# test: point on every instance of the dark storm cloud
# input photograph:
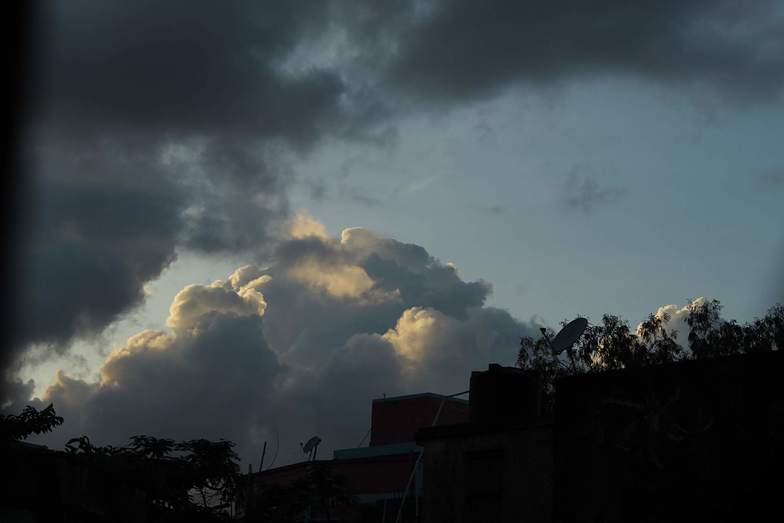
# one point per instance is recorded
(101, 225)
(240, 191)
(211, 81)
(462, 49)
(182, 68)
(155, 126)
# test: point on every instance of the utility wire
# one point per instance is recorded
(421, 453)
(362, 441)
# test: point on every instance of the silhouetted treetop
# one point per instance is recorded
(613, 345)
(29, 421)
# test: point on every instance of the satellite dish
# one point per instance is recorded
(312, 442)
(311, 447)
(567, 336)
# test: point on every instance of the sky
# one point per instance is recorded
(247, 222)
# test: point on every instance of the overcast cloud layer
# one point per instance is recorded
(158, 128)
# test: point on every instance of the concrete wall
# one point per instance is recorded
(396, 420)
(475, 475)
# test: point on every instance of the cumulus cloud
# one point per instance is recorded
(676, 320)
(266, 352)
(196, 301)
(208, 377)
(431, 344)
(101, 225)
(304, 225)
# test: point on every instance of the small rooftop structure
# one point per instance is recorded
(502, 396)
(396, 420)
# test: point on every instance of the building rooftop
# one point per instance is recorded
(420, 395)
(395, 420)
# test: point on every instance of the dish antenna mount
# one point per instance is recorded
(311, 447)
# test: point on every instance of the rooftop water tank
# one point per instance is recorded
(505, 396)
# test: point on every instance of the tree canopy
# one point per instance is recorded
(16, 427)
(612, 344)
(200, 475)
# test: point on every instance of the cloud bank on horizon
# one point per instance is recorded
(294, 349)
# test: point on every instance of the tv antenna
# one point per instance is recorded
(566, 337)
(311, 447)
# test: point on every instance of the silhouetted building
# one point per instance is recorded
(396, 419)
(692, 441)
(376, 476)
(497, 467)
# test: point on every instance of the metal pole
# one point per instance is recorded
(263, 452)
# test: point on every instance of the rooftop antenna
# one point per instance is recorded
(311, 447)
(263, 453)
(566, 337)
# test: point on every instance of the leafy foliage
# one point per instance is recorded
(83, 446)
(214, 471)
(150, 447)
(198, 477)
(613, 345)
(29, 421)
(709, 336)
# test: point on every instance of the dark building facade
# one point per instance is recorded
(378, 477)
(475, 473)
(396, 419)
(690, 441)
(499, 465)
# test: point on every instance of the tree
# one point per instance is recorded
(29, 421)
(196, 478)
(152, 448)
(613, 345)
(214, 471)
